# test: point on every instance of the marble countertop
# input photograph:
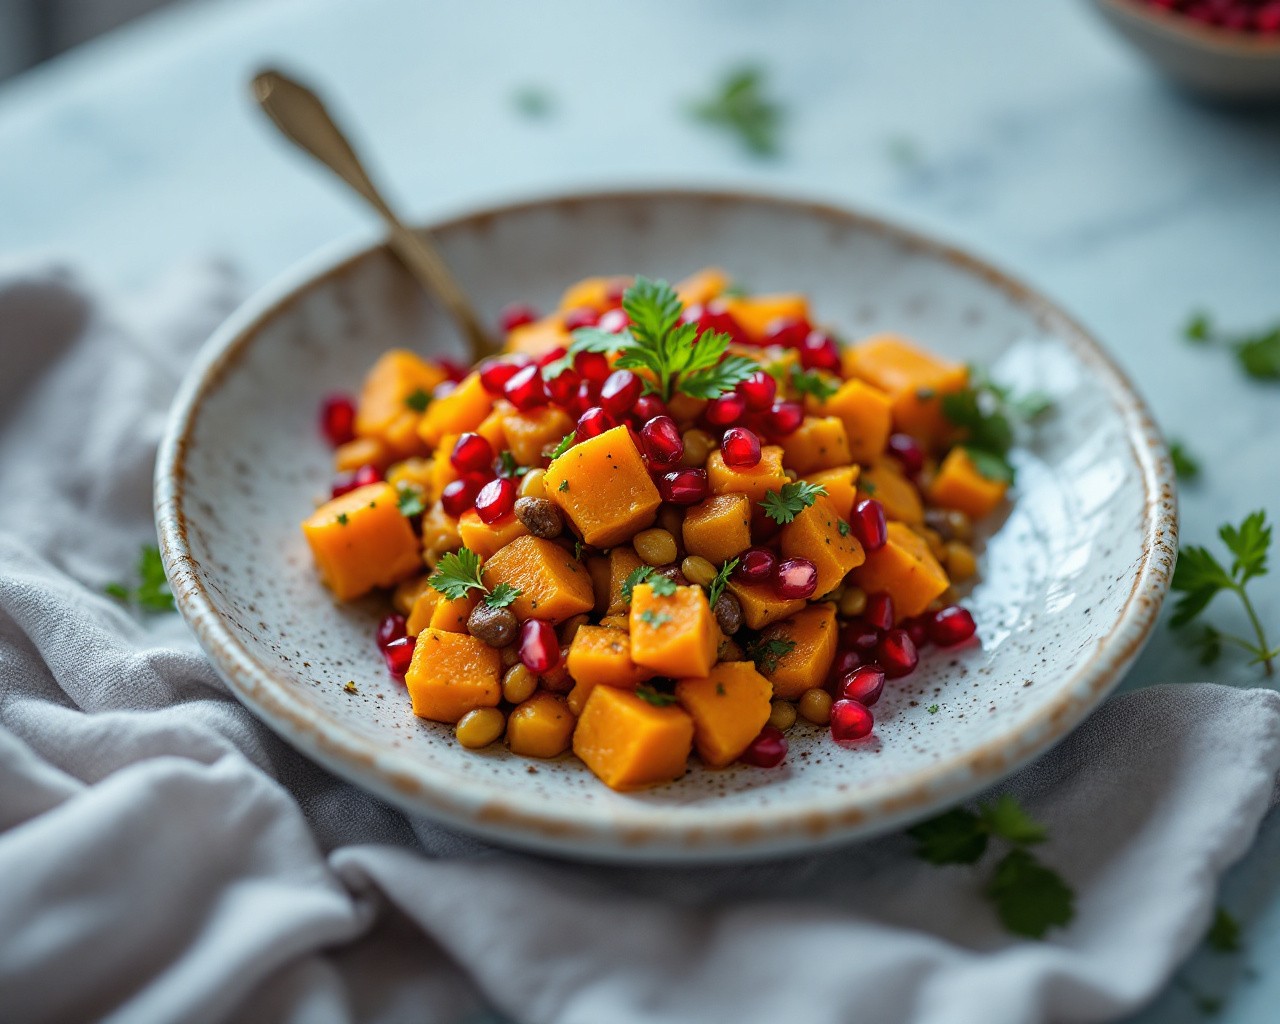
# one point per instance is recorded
(1025, 132)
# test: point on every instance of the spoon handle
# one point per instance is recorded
(302, 118)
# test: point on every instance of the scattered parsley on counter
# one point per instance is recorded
(533, 101)
(784, 505)
(1258, 353)
(152, 594)
(932, 709)
(459, 572)
(1224, 934)
(740, 106)
(1185, 465)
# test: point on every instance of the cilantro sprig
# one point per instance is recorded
(740, 106)
(459, 572)
(1029, 897)
(410, 500)
(767, 653)
(721, 580)
(987, 413)
(784, 505)
(1258, 353)
(814, 382)
(675, 354)
(152, 593)
(1199, 577)
(565, 444)
(662, 587)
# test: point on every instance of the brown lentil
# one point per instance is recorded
(495, 626)
(728, 614)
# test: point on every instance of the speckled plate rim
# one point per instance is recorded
(644, 831)
(1222, 41)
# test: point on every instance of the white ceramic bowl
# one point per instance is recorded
(1072, 575)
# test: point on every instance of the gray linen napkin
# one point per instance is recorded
(165, 858)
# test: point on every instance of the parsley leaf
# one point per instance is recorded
(409, 500)
(508, 467)
(661, 585)
(784, 505)
(152, 594)
(954, 837)
(1185, 465)
(655, 697)
(565, 444)
(1006, 818)
(418, 399)
(986, 413)
(767, 653)
(843, 527)
(564, 485)
(456, 573)
(654, 619)
(1258, 354)
(1029, 897)
(634, 578)
(533, 101)
(932, 709)
(740, 106)
(502, 595)
(343, 519)
(813, 382)
(721, 581)
(1224, 933)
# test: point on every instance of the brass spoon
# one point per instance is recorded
(303, 120)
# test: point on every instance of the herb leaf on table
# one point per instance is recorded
(152, 593)
(1185, 465)
(1257, 353)
(740, 105)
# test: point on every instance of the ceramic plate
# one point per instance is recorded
(1073, 573)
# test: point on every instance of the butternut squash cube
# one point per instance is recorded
(675, 635)
(915, 380)
(887, 484)
(826, 539)
(630, 744)
(443, 471)
(360, 541)
(623, 561)
(604, 488)
(422, 611)
(539, 337)
(719, 528)
(592, 293)
(814, 633)
(867, 414)
(387, 408)
(363, 451)
(729, 708)
(755, 482)
(451, 616)
(462, 409)
(960, 485)
(485, 539)
(840, 485)
(407, 593)
(820, 443)
(451, 674)
(756, 313)
(600, 656)
(553, 584)
(493, 427)
(541, 726)
(529, 432)
(702, 287)
(905, 569)
(413, 472)
(761, 604)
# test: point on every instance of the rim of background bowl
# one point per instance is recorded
(1223, 41)
(641, 831)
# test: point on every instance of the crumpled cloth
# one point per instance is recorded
(164, 857)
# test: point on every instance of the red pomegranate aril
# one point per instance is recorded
(614, 293)
(615, 321)
(649, 406)
(551, 355)
(906, 449)
(757, 565)
(768, 750)
(496, 499)
(740, 448)
(758, 391)
(539, 646)
(563, 388)
(592, 423)
(619, 392)
(917, 628)
(859, 635)
(797, 579)
(459, 495)
(879, 611)
(714, 317)
(338, 419)
(583, 316)
(869, 524)
(344, 483)
(592, 366)
(683, 486)
(662, 441)
(525, 389)
(1267, 19)
(472, 454)
(454, 371)
(517, 315)
(366, 475)
(787, 331)
(725, 410)
(494, 374)
(951, 626)
(896, 654)
(392, 627)
(846, 661)
(850, 721)
(399, 655)
(864, 684)
(785, 418)
(819, 351)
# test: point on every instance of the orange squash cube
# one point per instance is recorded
(756, 313)
(820, 443)
(553, 584)
(887, 484)
(360, 541)
(761, 604)
(820, 535)
(592, 293)
(674, 635)
(702, 287)
(814, 633)
(755, 482)
(443, 472)
(729, 708)
(538, 338)
(959, 484)
(915, 380)
(451, 674)
(719, 528)
(386, 409)
(451, 616)
(363, 451)
(905, 569)
(630, 744)
(600, 656)
(493, 427)
(623, 561)
(485, 539)
(541, 726)
(604, 488)
(407, 592)
(462, 409)
(840, 485)
(422, 611)
(529, 432)
(867, 414)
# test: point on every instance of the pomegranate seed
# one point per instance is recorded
(399, 655)
(619, 392)
(797, 579)
(615, 321)
(864, 684)
(850, 721)
(757, 565)
(767, 750)
(740, 448)
(683, 486)
(759, 391)
(614, 293)
(525, 389)
(344, 483)
(592, 423)
(906, 449)
(338, 419)
(550, 356)
(897, 654)
(494, 374)
(846, 661)
(539, 648)
(819, 351)
(563, 388)
(951, 626)
(454, 371)
(869, 524)
(860, 635)
(879, 611)
(649, 406)
(459, 495)
(661, 441)
(592, 366)
(785, 418)
(472, 454)
(366, 475)
(787, 331)
(714, 317)
(517, 315)
(583, 316)
(725, 410)
(390, 628)
(1267, 19)
(918, 629)
(496, 499)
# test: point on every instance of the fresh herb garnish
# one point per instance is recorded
(350, 686)
(814, 382)
(654, 619)
(932, 709)
(843, 528)
(767, 653)
(674, 353)
(740, 106)
(502, 595)
(1257, 353)
(409, 500)
(1185, 465)
(1224, 933)
(661, 585)
(784, 505)
(721, 581)
(533, 101)
(152, 593)
(1029, 897)
(564, 485)
(459, 571)
(343, 518)
(508, 467)
(655, 697)
(577, 548)
(634, 578)
(1199, 578)
(418, 399)
(986, 412)
(565, 444)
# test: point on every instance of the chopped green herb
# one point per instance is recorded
(767, 653)
(508, 467)
(1185, 465)
(417, 400)
(533, 101)
(1224, 933)
(814, 382)
(784, 505)
(350, 686)
(661, 585)
(843, 527)
(456, 573)
(932, 709)
(409, 500)
(739, 105)
(502, 595)
(1029, 897)
(1257, 353)
(564, 485)
(1007, 819)
(152, 593)
(719, 689)
(565, 444)
(655, 697)
(343, 519)
(654, 619)
(721, 581)
(867, 487)
(634, 578)
(577, 548)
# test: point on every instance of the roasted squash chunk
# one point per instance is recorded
(597, 293)
(886, 483)
(361, 541)
(451, 616)
(423, 610)
(820, 443)
(700, 288)
(813, 634)
(539, 337)
(363, 451)
(761, 604)
(960, 485)
(485, 539)
(462, 409)
(820, 535)
(527, 433)
(451, 674)
(905, 569)
(756, 313)
(604, 488)
(841, 487)
(719, 528)
(729, 708)
(553, 584)
(867, 415)
(600, 656)
(541, 726)
(394, 394)
(914, 379)
(755, 481)
(675, 635)
(630, 744)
